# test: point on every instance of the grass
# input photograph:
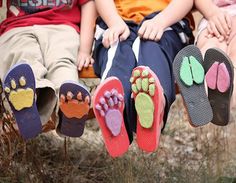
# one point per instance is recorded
(185, 154)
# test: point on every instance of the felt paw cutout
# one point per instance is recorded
(218, 77)
(74, 107)
(19, 97)
(108, 108)
(143, 87)
(191, 71)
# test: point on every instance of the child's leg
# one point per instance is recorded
(60, 44)
(20, 46)
(204, 43)
(153, 104)
(217, 67)
(156, 57)
(119, 61)
(232, 55)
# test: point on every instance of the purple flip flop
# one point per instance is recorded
(74, 107)
(19, 87)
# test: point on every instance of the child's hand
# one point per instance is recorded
(219, 25)
(152, 29)
(84, 60)
(114, 33)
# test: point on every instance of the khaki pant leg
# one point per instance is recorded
(20, 45)
(59, 44)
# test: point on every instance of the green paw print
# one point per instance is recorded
(20, 98)
(143, 88)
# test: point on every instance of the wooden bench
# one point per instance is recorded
(88, 73)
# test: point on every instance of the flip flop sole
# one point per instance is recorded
(74, 105)
(194, 94)
(109, 114)
(220, 101)
(19, 87)
(149, 104)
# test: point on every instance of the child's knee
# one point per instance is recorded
(213, 43)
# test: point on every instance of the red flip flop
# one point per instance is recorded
(149, 104)
(108, 106)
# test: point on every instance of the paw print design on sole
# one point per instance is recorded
(108, 106)
(219, 78)
(19, 87)
(149, 104)
(74, 104)
(189, 75)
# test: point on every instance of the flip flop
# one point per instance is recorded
(74, 106)
(19, 87)
(189, 75)
(149, 104)
(108, 106)
(219, 78)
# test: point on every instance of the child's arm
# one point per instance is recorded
(117, 28)
(219, 22)
(153, 29)
(87, 26)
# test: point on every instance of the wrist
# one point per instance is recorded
(211, 13)
(116, 21)
(161, 21)
(87, 52)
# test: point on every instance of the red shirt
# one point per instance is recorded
(21, 13)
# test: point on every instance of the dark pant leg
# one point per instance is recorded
(159, 56)
(121, 66)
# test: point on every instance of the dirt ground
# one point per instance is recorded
(185, 154)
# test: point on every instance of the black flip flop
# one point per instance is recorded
(219, 78)
(189, 75)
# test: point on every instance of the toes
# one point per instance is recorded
(107, 94)
(87, 99)
(131, 80)
(79, 96)
(152, 89)
(22, 81)
(69, 95)
(145, 73)
(7, 89)
(151, 80)
(136, 73)
(120, 97)
(114, 92)
(111, 99)
(142, 83)
(62, 98)
(99, 108)
(102, 101)
(105, 107)
(134, 88)
(145, 84)
(13, 84)
(139, 83)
